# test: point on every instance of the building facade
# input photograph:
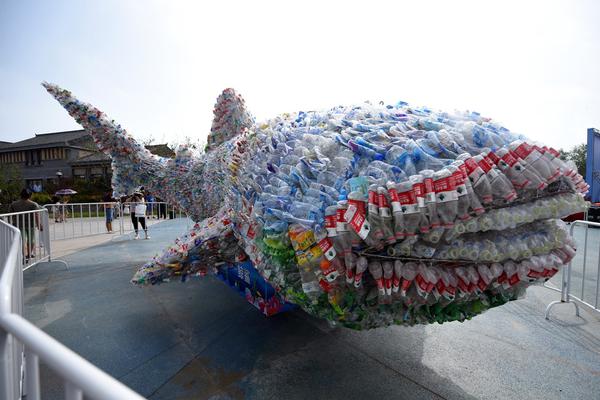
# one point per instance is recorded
(49, 157)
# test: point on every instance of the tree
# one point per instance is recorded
(148, 141)
(11, 184)
(578, 154)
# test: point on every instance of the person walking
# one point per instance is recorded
(56, 209)
(26, 222)
(108, 210)
(150, 203)
(138, 214)
(162, 208)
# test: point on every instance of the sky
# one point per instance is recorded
(157, 67)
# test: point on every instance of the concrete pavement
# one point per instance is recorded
(78, 234)
(200, 340)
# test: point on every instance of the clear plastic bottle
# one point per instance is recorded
(356, 217)
(554, 157)
(446, 197)
(399, 157)
(410, 209)
(501, 186)
(436, 230)
(376, 271)
(396, 211)
(397, 278)
(478, 178)
(520, 174)
(361, 266)
(418, 187)
(463, 203)
(373, 214)
(409, 273)
(533, 157)
(385, 213)
(388, 275)
(350, 260)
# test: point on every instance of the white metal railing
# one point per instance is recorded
(11, 302)
(566, 281)
(34, 228)
(73, 220)
(22, 344)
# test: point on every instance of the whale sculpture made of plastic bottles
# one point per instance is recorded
(367, 216)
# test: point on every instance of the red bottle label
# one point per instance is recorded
(484, 165)
(509, 159)
(523, 150)
(493, 157)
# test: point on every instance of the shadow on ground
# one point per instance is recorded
(200, 340)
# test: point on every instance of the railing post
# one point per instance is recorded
(32, 376)
(72, 392)
(121, 229)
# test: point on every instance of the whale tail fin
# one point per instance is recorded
(133, 165)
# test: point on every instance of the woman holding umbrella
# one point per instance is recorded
(64, 194)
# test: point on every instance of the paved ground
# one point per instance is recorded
(200, 340)
(77, 234)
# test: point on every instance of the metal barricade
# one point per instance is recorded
(22, 344)
(35, 233)
(587, 285)
(72, 220)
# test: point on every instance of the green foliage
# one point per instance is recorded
(11, 184)
(86, 198)
(93, 188)
(578, 154)
(41, 198)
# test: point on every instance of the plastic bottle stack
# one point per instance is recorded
(362, 215)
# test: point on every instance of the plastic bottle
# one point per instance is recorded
(396, 211)
(376, 271)
(361, 266)
(410, 209)
(463, 203)
(385, 213)
(478, 178)
(424, 281)
(492, 159)
(347, 233)
(344, 240)
(501, 187)
(435, 226)
(399, 157)
(534, 158)
(446, 197)
(356, 217)
(520, 174)
(409, 273)
(373, 214)
(554, 157)
(474, 202)
(350, 260)
(388, 275)
(418, 188)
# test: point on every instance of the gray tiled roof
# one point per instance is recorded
(45, 139)
(95, 157)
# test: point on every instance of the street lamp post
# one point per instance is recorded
(59, 175)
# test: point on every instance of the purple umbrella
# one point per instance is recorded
(65, 192)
